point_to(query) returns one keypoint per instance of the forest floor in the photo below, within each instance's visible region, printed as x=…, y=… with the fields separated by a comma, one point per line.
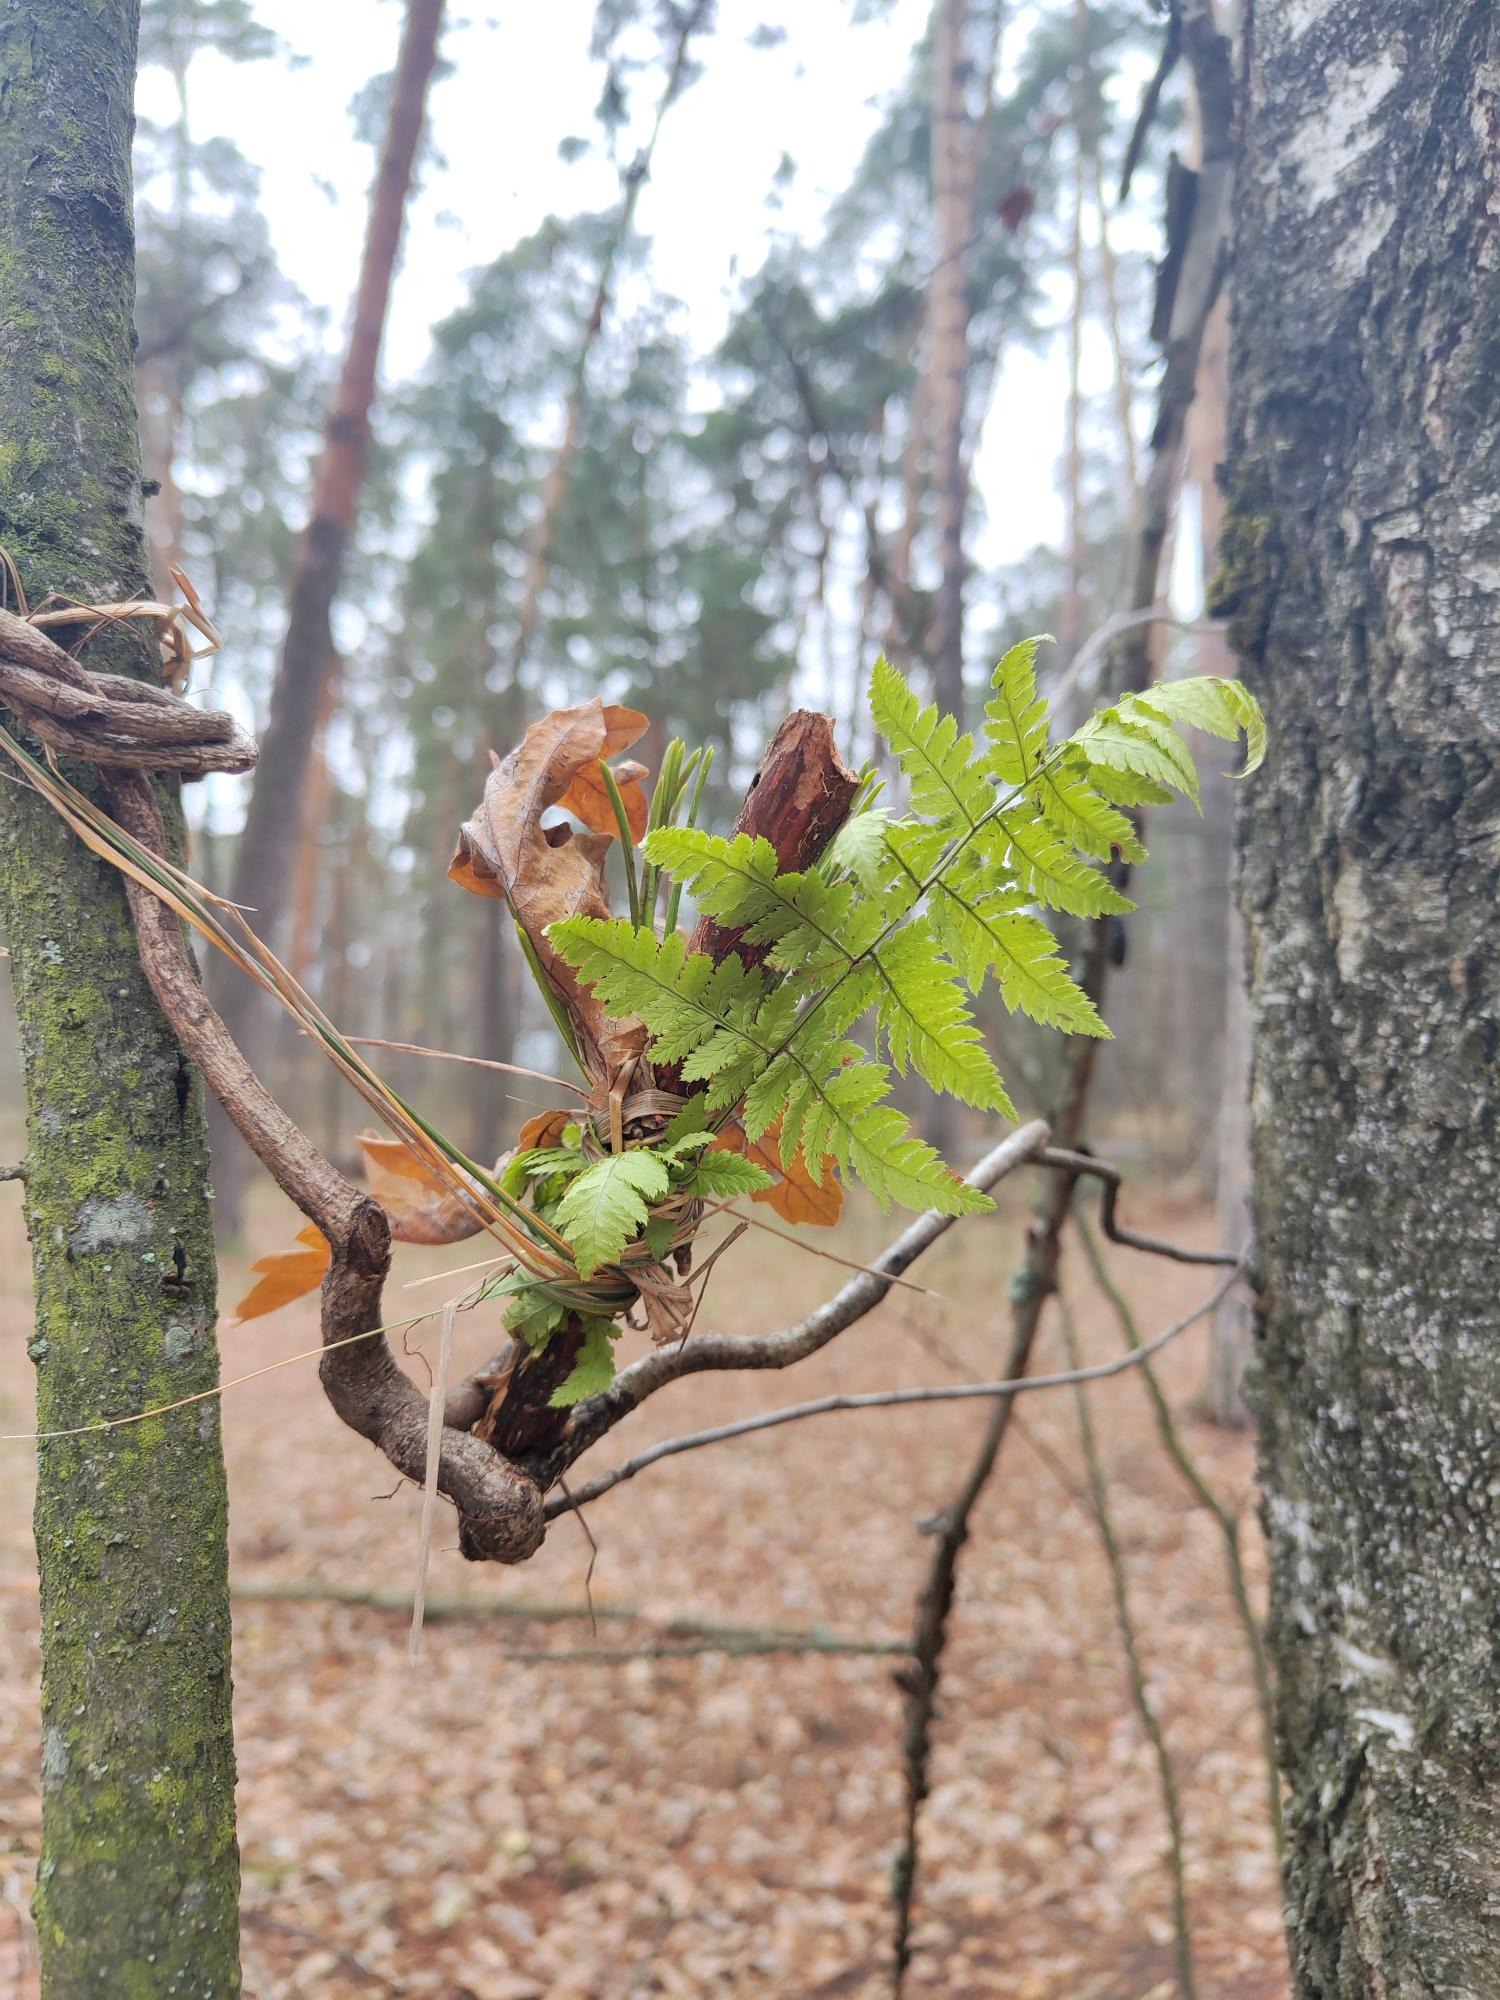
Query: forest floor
x=493, y=1828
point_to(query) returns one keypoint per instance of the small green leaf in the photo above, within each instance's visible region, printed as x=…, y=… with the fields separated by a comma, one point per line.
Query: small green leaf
x=606, y=1206
x=594, y=1369
x=722, y=1176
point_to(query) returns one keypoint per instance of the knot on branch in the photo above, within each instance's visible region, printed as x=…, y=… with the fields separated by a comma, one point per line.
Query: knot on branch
x=113, y=721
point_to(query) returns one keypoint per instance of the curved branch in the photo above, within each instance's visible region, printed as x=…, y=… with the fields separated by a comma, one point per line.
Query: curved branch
x=500, y=1509
x=1111, y=1180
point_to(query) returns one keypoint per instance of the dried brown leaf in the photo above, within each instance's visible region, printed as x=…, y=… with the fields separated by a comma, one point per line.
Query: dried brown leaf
x=545, y=1129
x=796, y=1197
x=421, y=1209
x=588, y=799
x=287, y=1275
x=547, y=873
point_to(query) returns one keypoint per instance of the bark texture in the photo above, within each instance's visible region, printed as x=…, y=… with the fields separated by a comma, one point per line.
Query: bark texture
x=1360, y=564
x=138, y=1887
x=955, y=164
x=263, y=863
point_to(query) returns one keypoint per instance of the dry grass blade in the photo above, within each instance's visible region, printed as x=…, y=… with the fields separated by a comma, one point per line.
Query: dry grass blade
x=435, y=1403
x=524, y=1234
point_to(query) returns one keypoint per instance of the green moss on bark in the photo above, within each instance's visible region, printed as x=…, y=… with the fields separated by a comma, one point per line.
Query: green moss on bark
x=138, y=1887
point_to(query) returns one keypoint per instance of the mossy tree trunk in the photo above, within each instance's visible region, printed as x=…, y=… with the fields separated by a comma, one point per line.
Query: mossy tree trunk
x=1360, y=563
x=138, y=1887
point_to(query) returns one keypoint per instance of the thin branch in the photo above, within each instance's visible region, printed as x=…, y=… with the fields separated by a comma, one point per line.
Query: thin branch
x=1145, y=1707
x=712, y=1351
x=689, y=1634
x=738, y=1649
x=1111, y=1179
x=1146, y=116
x=885, y=1399
x=1224, y=1518
x=921, y=1680
x=475, y=1062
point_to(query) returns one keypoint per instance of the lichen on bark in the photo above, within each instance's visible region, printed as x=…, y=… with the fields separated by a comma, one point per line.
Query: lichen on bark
x=1364, y=504
x=138, y=1884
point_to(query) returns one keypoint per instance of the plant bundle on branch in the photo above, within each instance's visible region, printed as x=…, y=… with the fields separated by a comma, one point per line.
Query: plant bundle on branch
x=838, y=942
x=886, y=931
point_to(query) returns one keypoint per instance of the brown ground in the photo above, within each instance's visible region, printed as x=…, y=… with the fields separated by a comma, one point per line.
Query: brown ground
x=713, y=1825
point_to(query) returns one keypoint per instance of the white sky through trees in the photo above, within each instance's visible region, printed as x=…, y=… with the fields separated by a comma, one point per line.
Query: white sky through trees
x=520, y=82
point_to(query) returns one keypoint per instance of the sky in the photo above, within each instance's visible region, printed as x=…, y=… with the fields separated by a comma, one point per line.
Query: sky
x=522, y=82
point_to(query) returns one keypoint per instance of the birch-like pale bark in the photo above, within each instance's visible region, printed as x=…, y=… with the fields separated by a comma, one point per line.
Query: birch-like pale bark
x=1359, y=563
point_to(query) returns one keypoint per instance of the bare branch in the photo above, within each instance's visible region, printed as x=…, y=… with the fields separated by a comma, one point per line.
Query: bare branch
x=671, y=1636
x=709, y=1351
x=886, y=1399
x=1109, y=1542
x=1111, y=1179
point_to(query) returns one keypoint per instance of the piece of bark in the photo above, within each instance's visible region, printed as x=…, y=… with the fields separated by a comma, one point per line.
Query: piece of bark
x=798, y=799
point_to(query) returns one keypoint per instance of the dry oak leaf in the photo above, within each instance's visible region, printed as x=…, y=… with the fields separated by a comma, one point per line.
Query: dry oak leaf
x=586, y=797
x=545, y=1129
x=287, y=1275
x=547, y=873
x=796, y=1197
x=421, y=1208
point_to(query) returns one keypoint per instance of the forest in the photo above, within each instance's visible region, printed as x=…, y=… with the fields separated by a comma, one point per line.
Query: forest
x=696, y=688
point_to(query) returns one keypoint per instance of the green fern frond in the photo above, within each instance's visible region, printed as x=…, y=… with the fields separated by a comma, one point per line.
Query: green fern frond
x=1124, y=788
x=1057, y=784
x=1218, y=707
x=947, y=783
x=594, y=1370
x=723, y=1176
x=759, y=1052
x=1141, y=745
x=920, y=1010
x=889, y=928
x=604, y=1208
x=1018, y=717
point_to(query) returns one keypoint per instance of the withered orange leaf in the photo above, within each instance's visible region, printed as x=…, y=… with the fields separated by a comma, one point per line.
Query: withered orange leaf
x=589, y=800
x=469, y=874
x=545, y=1129
x=287, y=1275
x=421, y=1208
x=796, y=1197
x=547, y=873
x=622, y=727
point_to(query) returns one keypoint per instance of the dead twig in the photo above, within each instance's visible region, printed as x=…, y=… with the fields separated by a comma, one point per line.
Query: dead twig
x=1111, y=1179
x=710, y=1351
x=1224, y=1518
x=1109, y=1541
x=885, y=1399
x=670, y=1633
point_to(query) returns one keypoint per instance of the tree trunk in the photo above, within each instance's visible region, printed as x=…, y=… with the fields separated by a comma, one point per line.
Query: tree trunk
x=264, y=857
x=1230, y=1338
x=953, y=180
x=1359, y=564
x=139, y=1880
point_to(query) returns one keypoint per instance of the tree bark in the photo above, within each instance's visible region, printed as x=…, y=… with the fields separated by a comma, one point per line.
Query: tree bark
x=954, y=172
x=139, y=1881
x=1359, y=564
x=263, y=860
